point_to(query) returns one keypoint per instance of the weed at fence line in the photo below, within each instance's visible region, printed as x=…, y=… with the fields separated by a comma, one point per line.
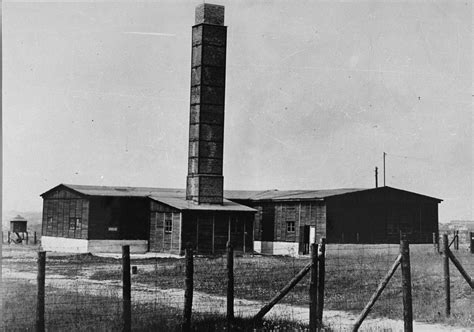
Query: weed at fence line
x=73, y=311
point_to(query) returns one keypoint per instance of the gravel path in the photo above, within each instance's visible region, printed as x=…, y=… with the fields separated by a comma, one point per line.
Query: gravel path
x=206, y=303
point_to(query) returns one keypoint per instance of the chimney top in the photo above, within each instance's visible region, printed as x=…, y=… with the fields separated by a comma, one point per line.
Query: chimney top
x=209, y=14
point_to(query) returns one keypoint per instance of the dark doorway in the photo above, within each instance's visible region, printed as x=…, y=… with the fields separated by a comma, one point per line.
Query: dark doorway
x=304, y=240
x=268, y=220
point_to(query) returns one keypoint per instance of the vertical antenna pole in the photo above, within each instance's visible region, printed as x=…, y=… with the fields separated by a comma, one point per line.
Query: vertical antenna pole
x=384, y=154
x=376, y=177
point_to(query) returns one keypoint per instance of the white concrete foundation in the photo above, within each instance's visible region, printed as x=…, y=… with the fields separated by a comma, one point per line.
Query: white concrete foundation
x=62, y=244
x=115, y=246
x=276, y=248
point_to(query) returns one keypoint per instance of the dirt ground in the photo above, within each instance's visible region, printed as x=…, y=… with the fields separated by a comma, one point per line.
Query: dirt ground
x=19, y=263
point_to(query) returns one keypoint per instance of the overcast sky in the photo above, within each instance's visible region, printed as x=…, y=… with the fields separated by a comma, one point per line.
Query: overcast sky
x=316, y=92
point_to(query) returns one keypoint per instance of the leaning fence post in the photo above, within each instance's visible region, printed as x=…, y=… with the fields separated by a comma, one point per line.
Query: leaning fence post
x=230, y=285
x=41, y=293
x=321, y=277
x=127, y=289
x=406, y=284
x=447, y=283
x=188, y=292
x=313, y=289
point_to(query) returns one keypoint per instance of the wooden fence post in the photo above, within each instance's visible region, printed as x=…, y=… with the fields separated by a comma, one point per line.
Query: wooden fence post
x=435, y=243
x=296, y=279
x=321, y=279
x=126, y=289
x=447, y=283
x=188, y=292
x=472, y=242
x=406, y=284
x=40, y=326
x=377, y=293
x=461, y=270
x=313, y=289
x=230, y=286
x=8, y=237
x=35, y=238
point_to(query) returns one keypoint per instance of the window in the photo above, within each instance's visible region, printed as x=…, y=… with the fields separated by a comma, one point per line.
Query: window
x=49, y=222
x=74, y=223
x=290, y=226
x=168, y=222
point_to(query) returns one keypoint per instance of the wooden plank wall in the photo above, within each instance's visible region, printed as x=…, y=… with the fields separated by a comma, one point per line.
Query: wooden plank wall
x=62, y=205
x=379, y=216
x=160, y=240
x=208, y=232
x=302, y=213
x=119, y=218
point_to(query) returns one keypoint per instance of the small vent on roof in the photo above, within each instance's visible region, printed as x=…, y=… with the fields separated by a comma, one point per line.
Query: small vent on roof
x=121, y=189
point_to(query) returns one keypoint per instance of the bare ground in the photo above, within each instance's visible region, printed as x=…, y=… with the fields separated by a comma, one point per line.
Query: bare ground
x=206, y=303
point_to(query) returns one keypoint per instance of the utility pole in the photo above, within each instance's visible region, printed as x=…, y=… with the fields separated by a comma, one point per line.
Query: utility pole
x=376, y=177
x=384, y=154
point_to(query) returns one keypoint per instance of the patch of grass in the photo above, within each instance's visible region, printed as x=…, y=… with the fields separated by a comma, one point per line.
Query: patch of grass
x=352, y=275
x=72, y=311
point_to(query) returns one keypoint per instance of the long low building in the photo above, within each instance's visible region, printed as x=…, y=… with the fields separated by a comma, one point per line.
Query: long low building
x=82, y=218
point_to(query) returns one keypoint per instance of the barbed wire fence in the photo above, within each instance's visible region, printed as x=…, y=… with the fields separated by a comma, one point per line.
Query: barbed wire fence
x=84, y=292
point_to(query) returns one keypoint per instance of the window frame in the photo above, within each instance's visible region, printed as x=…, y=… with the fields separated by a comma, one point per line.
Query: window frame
x=168, y=223
x=290, y=226
x=76, y=222
x=49, y=222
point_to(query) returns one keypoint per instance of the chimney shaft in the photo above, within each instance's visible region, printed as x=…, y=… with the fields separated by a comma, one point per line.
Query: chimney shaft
x=205, y=182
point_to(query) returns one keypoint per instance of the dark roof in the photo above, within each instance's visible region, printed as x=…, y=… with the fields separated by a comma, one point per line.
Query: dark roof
x=172, y=197
x=118, y=191
x=18, y=218
x=286, y=195
x=176, y=197
x=180, y=203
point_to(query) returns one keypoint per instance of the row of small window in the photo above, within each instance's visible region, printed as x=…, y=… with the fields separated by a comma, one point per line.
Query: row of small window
x=74, y=223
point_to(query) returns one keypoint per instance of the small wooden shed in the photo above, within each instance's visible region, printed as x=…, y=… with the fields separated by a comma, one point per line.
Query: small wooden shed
x=18, y=225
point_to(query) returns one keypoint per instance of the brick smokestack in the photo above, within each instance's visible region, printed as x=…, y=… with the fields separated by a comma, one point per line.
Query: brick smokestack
x=205, y=182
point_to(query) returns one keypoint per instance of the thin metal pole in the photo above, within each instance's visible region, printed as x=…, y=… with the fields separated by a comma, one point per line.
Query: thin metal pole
x=376, y=177
x=384, y=154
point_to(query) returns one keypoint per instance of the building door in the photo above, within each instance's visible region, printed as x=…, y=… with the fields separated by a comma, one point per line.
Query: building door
x=268, y=223
x=303, y=247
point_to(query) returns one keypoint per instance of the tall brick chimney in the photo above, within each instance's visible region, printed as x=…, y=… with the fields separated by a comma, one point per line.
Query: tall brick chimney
x=205, y=182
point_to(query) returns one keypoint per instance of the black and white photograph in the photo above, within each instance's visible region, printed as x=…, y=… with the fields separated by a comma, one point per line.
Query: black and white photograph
x=246, y=165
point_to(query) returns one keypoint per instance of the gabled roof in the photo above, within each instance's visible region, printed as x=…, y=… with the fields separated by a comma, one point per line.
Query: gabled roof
x=176, y=197
x=115, y=191
x=18, y=218
x=181, y=203
x=287, y=195
x=172, y=197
